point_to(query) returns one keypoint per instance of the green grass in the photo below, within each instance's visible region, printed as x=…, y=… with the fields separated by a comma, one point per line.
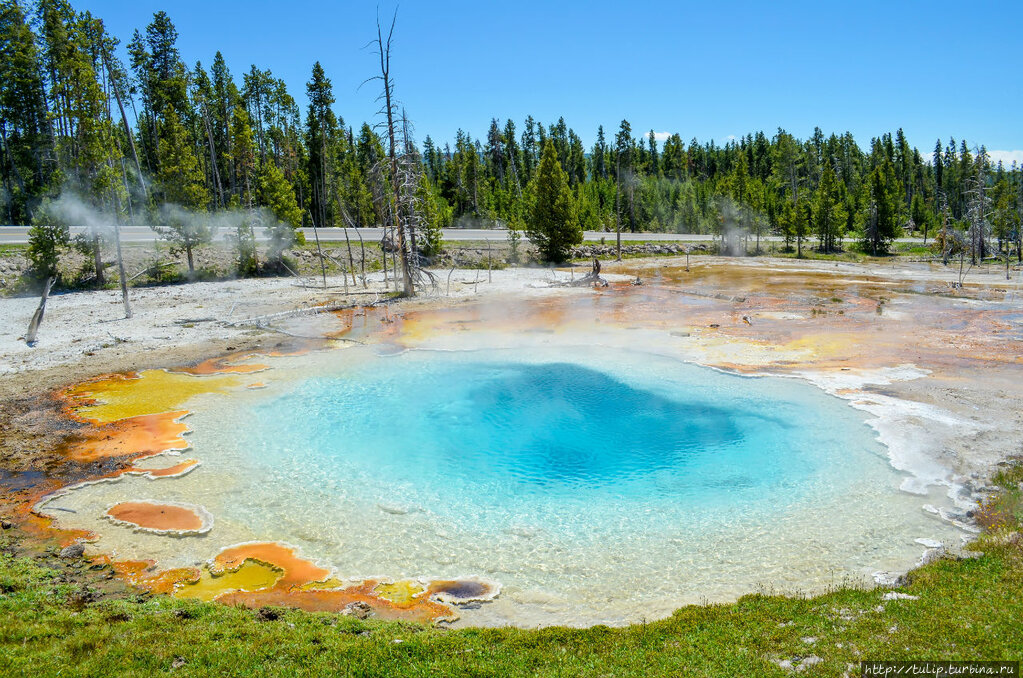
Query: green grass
x=967, y=609
x=610, y=240
x=914, y=249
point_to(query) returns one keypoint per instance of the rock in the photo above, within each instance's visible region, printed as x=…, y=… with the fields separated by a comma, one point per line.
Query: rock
x=931, y=556
x=799, y=663
x=5, y=524
x=890, y=580
x=809, y=640
x=358, y=609
x=812, y=660
x=895, y=595
x=76, y=550
x=178, y=662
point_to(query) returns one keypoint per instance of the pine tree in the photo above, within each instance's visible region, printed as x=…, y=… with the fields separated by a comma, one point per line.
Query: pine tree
x=920, y=216
x=162, y=80
x=598, y=159
x=25, y=140
x=829, y=214
x=321, y=134
x=576, y=160
x=243, y=157
x=432, y=217
x=224, y=97
x=624, y=169
x=882, y=204
x=85, y=152
x=552, y=225
x=48, y=235
x=513, y=156
x=167, y=73
x=183, y=185
x=277, y=195
x=654, y=167
x=530, y=150
x=673, y=161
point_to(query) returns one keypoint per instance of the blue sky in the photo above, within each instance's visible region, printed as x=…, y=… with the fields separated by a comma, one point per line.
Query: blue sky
x=709, y=70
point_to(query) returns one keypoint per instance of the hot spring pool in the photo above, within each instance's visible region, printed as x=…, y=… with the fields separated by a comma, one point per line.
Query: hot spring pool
x=596, y=485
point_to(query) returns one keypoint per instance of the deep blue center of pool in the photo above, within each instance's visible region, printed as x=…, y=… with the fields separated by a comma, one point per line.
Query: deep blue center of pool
x=449, y=431
x=558, y=424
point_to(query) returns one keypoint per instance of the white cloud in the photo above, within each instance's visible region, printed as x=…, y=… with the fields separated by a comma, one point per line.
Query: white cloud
x=731, y=137
x=1007, y=157
x=661, y=137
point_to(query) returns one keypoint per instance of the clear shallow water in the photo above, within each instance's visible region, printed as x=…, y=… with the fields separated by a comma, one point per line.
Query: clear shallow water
x=595, y=485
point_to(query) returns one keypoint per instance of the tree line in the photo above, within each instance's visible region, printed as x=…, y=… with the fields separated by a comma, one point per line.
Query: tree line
x=158, y=141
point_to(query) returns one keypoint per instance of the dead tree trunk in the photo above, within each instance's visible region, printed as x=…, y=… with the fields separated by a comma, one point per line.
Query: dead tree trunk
x=362, y=263
x=217, y=185
x=385, y=77
x=127, y=129
x=319, y=252
x=97, y=257
x=37, y=317
x=120, y=269
x=618, y=208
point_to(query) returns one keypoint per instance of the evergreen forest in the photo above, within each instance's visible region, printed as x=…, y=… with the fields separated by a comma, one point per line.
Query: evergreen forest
x=160, y=141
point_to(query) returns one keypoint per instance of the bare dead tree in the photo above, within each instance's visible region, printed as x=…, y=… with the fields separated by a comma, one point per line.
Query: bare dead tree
x=977, y=210
x=217, y=185
x=116, y=87
x=120, y=270
x=319, y=250
x=346, y=216
x=618, y=208
x=37, y=317
x=397, y=198
x=953, y=242
x=379, y=193
x=362, y=254
x=410, y=205
x=946, y=228
x=389, y=110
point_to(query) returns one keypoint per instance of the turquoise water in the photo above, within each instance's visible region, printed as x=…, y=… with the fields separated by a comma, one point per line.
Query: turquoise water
x=596, y=485
x=454, y=434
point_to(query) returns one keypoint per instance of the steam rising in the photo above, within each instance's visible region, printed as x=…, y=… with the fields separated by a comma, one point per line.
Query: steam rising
x=72, y=210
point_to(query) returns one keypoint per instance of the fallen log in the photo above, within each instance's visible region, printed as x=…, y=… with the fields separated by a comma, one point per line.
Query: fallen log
x=260, y=321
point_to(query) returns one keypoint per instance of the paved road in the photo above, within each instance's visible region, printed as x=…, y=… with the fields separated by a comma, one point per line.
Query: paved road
x=12, y=235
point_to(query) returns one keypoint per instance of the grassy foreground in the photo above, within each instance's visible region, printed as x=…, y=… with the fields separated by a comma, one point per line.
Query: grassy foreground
x=967, y=609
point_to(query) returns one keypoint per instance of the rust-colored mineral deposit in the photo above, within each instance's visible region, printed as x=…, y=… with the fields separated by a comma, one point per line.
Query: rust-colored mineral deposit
x=160, y=518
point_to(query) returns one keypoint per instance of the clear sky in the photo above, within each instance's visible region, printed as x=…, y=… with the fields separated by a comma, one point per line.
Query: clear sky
x=708, y=69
